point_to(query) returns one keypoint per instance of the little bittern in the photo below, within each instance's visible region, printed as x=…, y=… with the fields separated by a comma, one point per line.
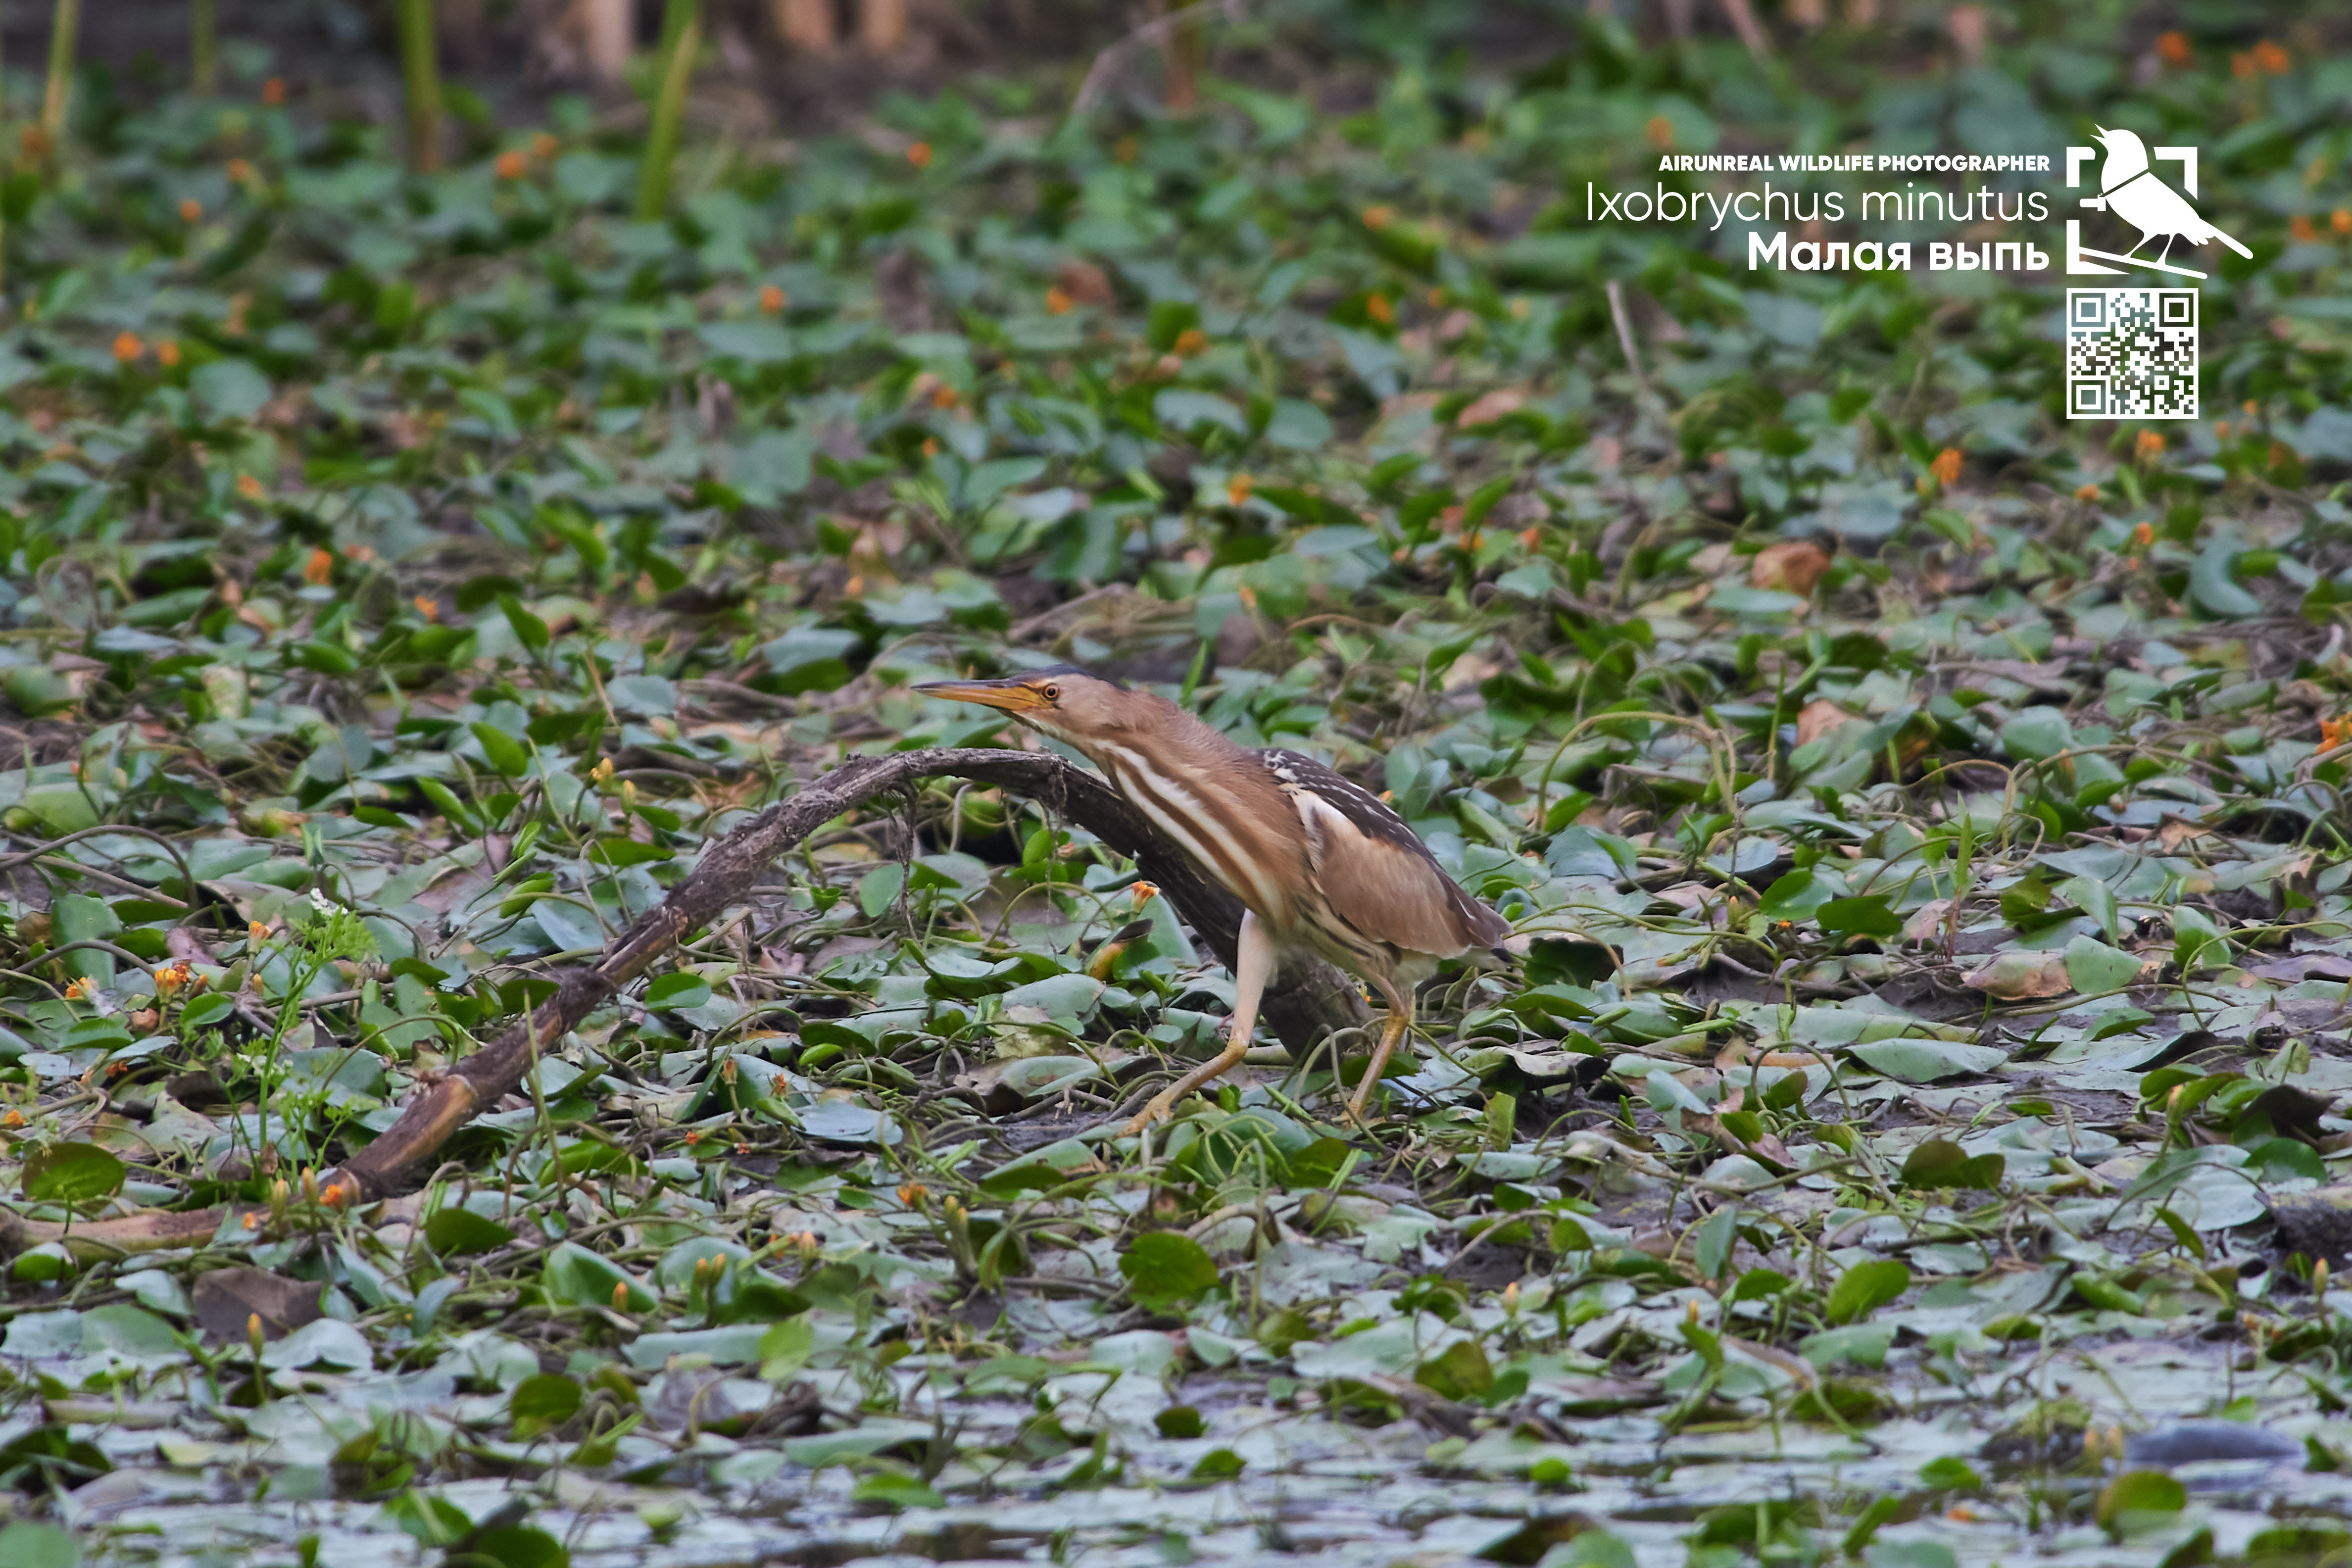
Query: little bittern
x=1321, y=865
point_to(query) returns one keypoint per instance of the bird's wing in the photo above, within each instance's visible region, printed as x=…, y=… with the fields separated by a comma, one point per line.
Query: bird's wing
x=1379, y=874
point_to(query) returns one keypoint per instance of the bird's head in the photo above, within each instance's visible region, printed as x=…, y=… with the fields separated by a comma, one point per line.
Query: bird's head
x=1060, y=701
x=2121, y=143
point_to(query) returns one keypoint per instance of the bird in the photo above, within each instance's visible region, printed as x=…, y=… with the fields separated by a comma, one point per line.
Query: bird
x=2132, y=190
x=1320, y=864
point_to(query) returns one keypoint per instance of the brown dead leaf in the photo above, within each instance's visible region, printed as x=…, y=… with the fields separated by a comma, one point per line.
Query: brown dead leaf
x=2177, y=832
x=1791, y=566
x=1087, y=284
x=2017, y=976
x=1491, y=406
x=227, y=1300
x=1817, y=718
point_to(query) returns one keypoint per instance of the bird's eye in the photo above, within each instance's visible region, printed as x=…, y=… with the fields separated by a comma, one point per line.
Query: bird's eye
x=1053, y=694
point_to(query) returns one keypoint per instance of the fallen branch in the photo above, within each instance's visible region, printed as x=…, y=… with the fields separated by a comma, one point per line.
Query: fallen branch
x=1309, y=997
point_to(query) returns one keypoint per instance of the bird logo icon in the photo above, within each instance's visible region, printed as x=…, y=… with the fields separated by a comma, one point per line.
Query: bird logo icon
x=2130, y=188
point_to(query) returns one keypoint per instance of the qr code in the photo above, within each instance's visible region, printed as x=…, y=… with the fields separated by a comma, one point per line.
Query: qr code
x=2131, y=353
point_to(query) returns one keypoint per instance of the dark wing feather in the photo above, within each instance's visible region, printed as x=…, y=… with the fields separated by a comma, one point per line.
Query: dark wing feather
x=1379, y=874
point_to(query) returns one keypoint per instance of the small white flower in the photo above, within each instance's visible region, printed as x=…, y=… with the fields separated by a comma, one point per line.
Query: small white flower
x=320, y=902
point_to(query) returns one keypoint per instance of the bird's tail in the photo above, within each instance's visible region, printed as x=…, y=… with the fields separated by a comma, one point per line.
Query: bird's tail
x=2232, y=244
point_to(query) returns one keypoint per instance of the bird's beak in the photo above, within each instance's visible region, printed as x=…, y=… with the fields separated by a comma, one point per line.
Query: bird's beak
x=1010, y=695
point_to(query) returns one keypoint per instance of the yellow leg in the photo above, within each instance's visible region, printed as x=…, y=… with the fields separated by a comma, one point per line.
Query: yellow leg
x=1400, y=1020
x=1253, y=966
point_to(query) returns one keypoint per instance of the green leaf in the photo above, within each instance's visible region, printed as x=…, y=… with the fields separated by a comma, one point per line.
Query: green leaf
x=529, y=629
x=894, y=1490
x=576, y=1276
x=26, y=1544
x=539, y=1403
x=1794, y=896
x=680, y=988
x=1939, y=1163
x=72, y=1173
x=1462, y=1372
x=455, y=1232
x=1865, y=1288
x=2213, y=583
x=1867, y=914
x=506, y=753
x=2096, y=968
x=517, y=1546
x=2037, y=732
x=229, y=389
x=1165, y=1266
x=2139, y=1500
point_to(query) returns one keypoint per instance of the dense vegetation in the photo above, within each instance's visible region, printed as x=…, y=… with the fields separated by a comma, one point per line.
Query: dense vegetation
x=408, y=576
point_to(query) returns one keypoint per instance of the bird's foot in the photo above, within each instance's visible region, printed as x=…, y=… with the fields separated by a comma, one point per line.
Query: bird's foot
x=1162, y=1105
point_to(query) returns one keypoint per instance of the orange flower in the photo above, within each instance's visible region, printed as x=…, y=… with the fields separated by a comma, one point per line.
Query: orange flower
x=14, y=1118
x=544, y=147
x=2242, y=66
x=2301, y=227
x=945, y=396
x=1144, y=893
x=2148, y=445
x=1530, y=538
x=1237, y=489
x=426, y=607
x=2087, y=492
x=919, y=154
x=169, y=979
x=273, y=92
x=1378, y=217
x=1058, y=301
x=241, y=171
x=320, y=570
x=167, y=353
x=1660, y=131
x=692, y=1138
x=2270, y=58
x=2173, y=48
x=191, y=209
x=2220, y=429
x=1192, y=340
x=1947, y=465
x=930, y=446
x=127, y=347
x=511, y=164
x=2334, y=733
x=2340, y=220
x=771, y=300
x=249, y=486
x=255, y=933
x=1378, y=308
x=79, y=991
x=2144, y=536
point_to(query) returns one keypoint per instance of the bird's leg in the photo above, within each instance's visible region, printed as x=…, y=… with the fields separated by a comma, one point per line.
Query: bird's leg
x=1400, y=1001
x=2143, y=240
x=2168, y=249
x=1253, y=967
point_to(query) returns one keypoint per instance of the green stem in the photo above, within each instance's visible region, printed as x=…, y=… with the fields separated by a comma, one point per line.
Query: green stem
x=420, y=70
x=64, y=22
x=682, y=40
x=204, y=47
